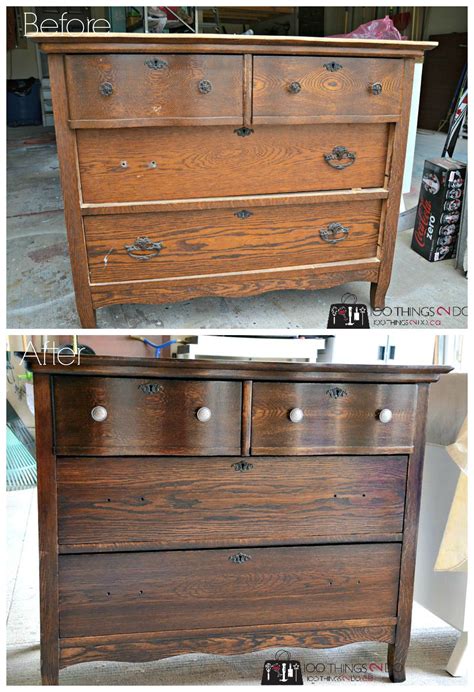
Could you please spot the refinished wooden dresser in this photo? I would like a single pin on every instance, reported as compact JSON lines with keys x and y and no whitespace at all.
{"x":200,"y":165}
{"x":223,"y":508}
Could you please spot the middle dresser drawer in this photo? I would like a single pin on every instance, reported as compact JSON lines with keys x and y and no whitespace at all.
{"x":199,"y":502}
{"x":307,"y":418}
{"x":117,"y":415}
{"x":209,"y":241}
{"x":146,"y":164}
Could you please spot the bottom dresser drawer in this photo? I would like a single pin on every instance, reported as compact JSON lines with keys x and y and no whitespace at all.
{"x":111,"y":593}
{"x":127,"y":247}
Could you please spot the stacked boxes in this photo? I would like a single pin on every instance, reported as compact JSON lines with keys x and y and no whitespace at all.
{"x":439,"y":209}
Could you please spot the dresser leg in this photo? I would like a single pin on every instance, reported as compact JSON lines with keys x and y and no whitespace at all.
{"x":377,"y":296}
{"x":396,"y":658}
{"x":49,"y":672}
{"x":87,"y":315}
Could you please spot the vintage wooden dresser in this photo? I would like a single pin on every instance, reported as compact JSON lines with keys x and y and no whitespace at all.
{"x":223,"y":508}
{"x":199,"y":165}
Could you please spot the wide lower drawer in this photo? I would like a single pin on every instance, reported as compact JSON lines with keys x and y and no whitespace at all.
{"x":143,"y":164}
{"x":123,"y":247}
{"x":306,"y":418}
{"x":311,"y":86}
{"x":131,"y":88}
{"x":129,"y":592}
{"x":118,"y":415}
{"x":198,"y":502}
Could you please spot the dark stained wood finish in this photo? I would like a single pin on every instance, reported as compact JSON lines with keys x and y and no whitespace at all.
{"x":398,"y":650}
{"x":67,"y":153}
{"x":274,"y":159}
{"x":216,"y":241}
{"x":48,"y":533}
{"x":344,"y":91}
{"x":237,"y":640}
{"x":178,"y":502}
{"x":347,"y":424}
{"x":246,"y":417}
{"x":162,"y":422}
{"x":141,"y":92}
{"x":126,"y":592}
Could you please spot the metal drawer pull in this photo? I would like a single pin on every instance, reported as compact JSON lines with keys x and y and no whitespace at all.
{"x":385,"y":415}
{"x":203,"y":414}
{"x":294,"y":88}
{"x":341,"y":157}
{"x":296,"y":415}
{"x":239,"y":558}
{"x":106,"y":88}
{"x":204,"y":86}
{"x":334,"y":233}
{"x":99,"y":413}
{"x":332,"y":66}
{"x":375,"y":88}
{"x":156,"y":64}
{"x":147,"y":247}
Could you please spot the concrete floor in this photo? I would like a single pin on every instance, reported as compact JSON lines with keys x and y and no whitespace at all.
{"x":431,"y":644}
{"x":40,"y":292}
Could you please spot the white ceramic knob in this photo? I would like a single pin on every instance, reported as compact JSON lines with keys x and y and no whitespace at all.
{"x":99,"y":413}
{"x":296,"y":415}
{"x":385,"y":415}
{"x":203,"y":414}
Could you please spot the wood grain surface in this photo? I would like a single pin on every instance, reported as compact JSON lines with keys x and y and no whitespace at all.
{"x":274,"y":159}
{"x":129,"y":592}
{"x":139,"y":91}
{"x":343,"y":91}
{"x":235,"y":640}
{"x":174,"y":502}
{"x":342,"y":425}
{"x":161,"y":422}
{"x":219,"y":241}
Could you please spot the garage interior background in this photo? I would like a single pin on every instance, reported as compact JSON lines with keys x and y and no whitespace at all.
{"x":39,"y":279}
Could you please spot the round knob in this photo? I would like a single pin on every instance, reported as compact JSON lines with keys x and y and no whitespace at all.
{"x":99,"y":413}
{"x":385,"y":415}
{"x":294,"y":88}
{"x":203,"y":414}
{"x":376,"y":88}
{"x":296,"y":415}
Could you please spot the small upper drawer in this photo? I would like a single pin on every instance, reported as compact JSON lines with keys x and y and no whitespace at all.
{"x":309,"y":87}
{"x":307,"y":418}
{"x":116,"y":415}
{"x":162,"y":89}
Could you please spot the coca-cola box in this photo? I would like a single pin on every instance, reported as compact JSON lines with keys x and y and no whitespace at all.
{"x":439,"y":209}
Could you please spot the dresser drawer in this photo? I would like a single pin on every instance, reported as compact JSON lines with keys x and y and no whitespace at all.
{"x":187,"y":243}
{"x":132,"y":88}
{"x":183,"y":502}
{"x":314,"y":86}
{"x":306,"y":418}
{"x":155,"y":416}
{"x":127,"y":592}
{"x":175,"y":163}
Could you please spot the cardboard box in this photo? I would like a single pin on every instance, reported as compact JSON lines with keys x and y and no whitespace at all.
{"x":438,"y":215}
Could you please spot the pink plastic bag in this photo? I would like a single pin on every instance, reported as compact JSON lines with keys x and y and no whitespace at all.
{"x":376,"y":29}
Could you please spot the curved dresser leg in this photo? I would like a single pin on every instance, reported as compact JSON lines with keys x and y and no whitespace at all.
{"x":377,"y":296}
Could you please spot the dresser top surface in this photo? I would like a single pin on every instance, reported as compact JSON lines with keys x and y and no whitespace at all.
{"x":238,"y":370}
{"x":91,"y":42}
